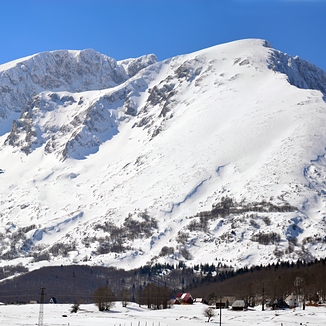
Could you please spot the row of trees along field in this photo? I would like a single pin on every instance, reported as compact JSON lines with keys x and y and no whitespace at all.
{"x":152,"y":295}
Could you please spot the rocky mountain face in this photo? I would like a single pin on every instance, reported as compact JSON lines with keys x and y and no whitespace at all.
{"x":26,"y":84}
{"x":216,"y":156}
{"x":71,"y":71}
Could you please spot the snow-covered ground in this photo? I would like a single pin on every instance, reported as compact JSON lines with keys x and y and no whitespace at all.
{"x":133,"y":315}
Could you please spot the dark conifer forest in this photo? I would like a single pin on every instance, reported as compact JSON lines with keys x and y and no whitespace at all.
{"x":77,"y":283}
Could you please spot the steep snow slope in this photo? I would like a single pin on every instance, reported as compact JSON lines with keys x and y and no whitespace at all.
{"x":214,"y":156}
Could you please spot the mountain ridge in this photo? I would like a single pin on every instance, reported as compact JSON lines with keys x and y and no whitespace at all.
{"x":63,"y":70}
{"x":203,"y":157}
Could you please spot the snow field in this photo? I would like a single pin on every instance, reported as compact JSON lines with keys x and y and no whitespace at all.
{"x":133,"y":315}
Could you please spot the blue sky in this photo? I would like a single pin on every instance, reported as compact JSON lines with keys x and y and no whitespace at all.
{"x":130,"y":28}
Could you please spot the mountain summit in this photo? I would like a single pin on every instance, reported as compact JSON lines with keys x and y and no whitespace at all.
{"x":217,"y":156}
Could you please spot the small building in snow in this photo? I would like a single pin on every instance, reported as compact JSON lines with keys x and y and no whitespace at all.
{"x":184,"y":298}
{"x":239,"y":305}
{"x":53,"y":300}
{"x":200,"y":300}
{"x":225,"y":302}
{"x":278,"y":304}
{"x":293,"y":300}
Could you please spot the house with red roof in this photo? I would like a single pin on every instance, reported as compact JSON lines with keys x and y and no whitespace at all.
{"x":184,"y":298}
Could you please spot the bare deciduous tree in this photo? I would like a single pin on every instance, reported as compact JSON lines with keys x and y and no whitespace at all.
{"x":104,"y":298}
{"x":124,"y":297}
{"x":155,"y":296}
{"x":209,"y":313}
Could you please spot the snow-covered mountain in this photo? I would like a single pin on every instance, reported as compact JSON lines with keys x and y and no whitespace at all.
{"x":217,"y":156}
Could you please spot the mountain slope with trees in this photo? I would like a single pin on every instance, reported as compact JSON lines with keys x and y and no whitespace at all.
{"x":216,"y":156}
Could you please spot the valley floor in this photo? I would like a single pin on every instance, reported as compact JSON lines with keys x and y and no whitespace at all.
{"x":133,"y":315}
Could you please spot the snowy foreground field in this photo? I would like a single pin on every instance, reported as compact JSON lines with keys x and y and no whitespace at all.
{"x":133,"y":315}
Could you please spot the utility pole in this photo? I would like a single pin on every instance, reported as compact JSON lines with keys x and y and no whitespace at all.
{"x":40,"y":316}
{"x":220,"y":310}
{"x":263,"y":299}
